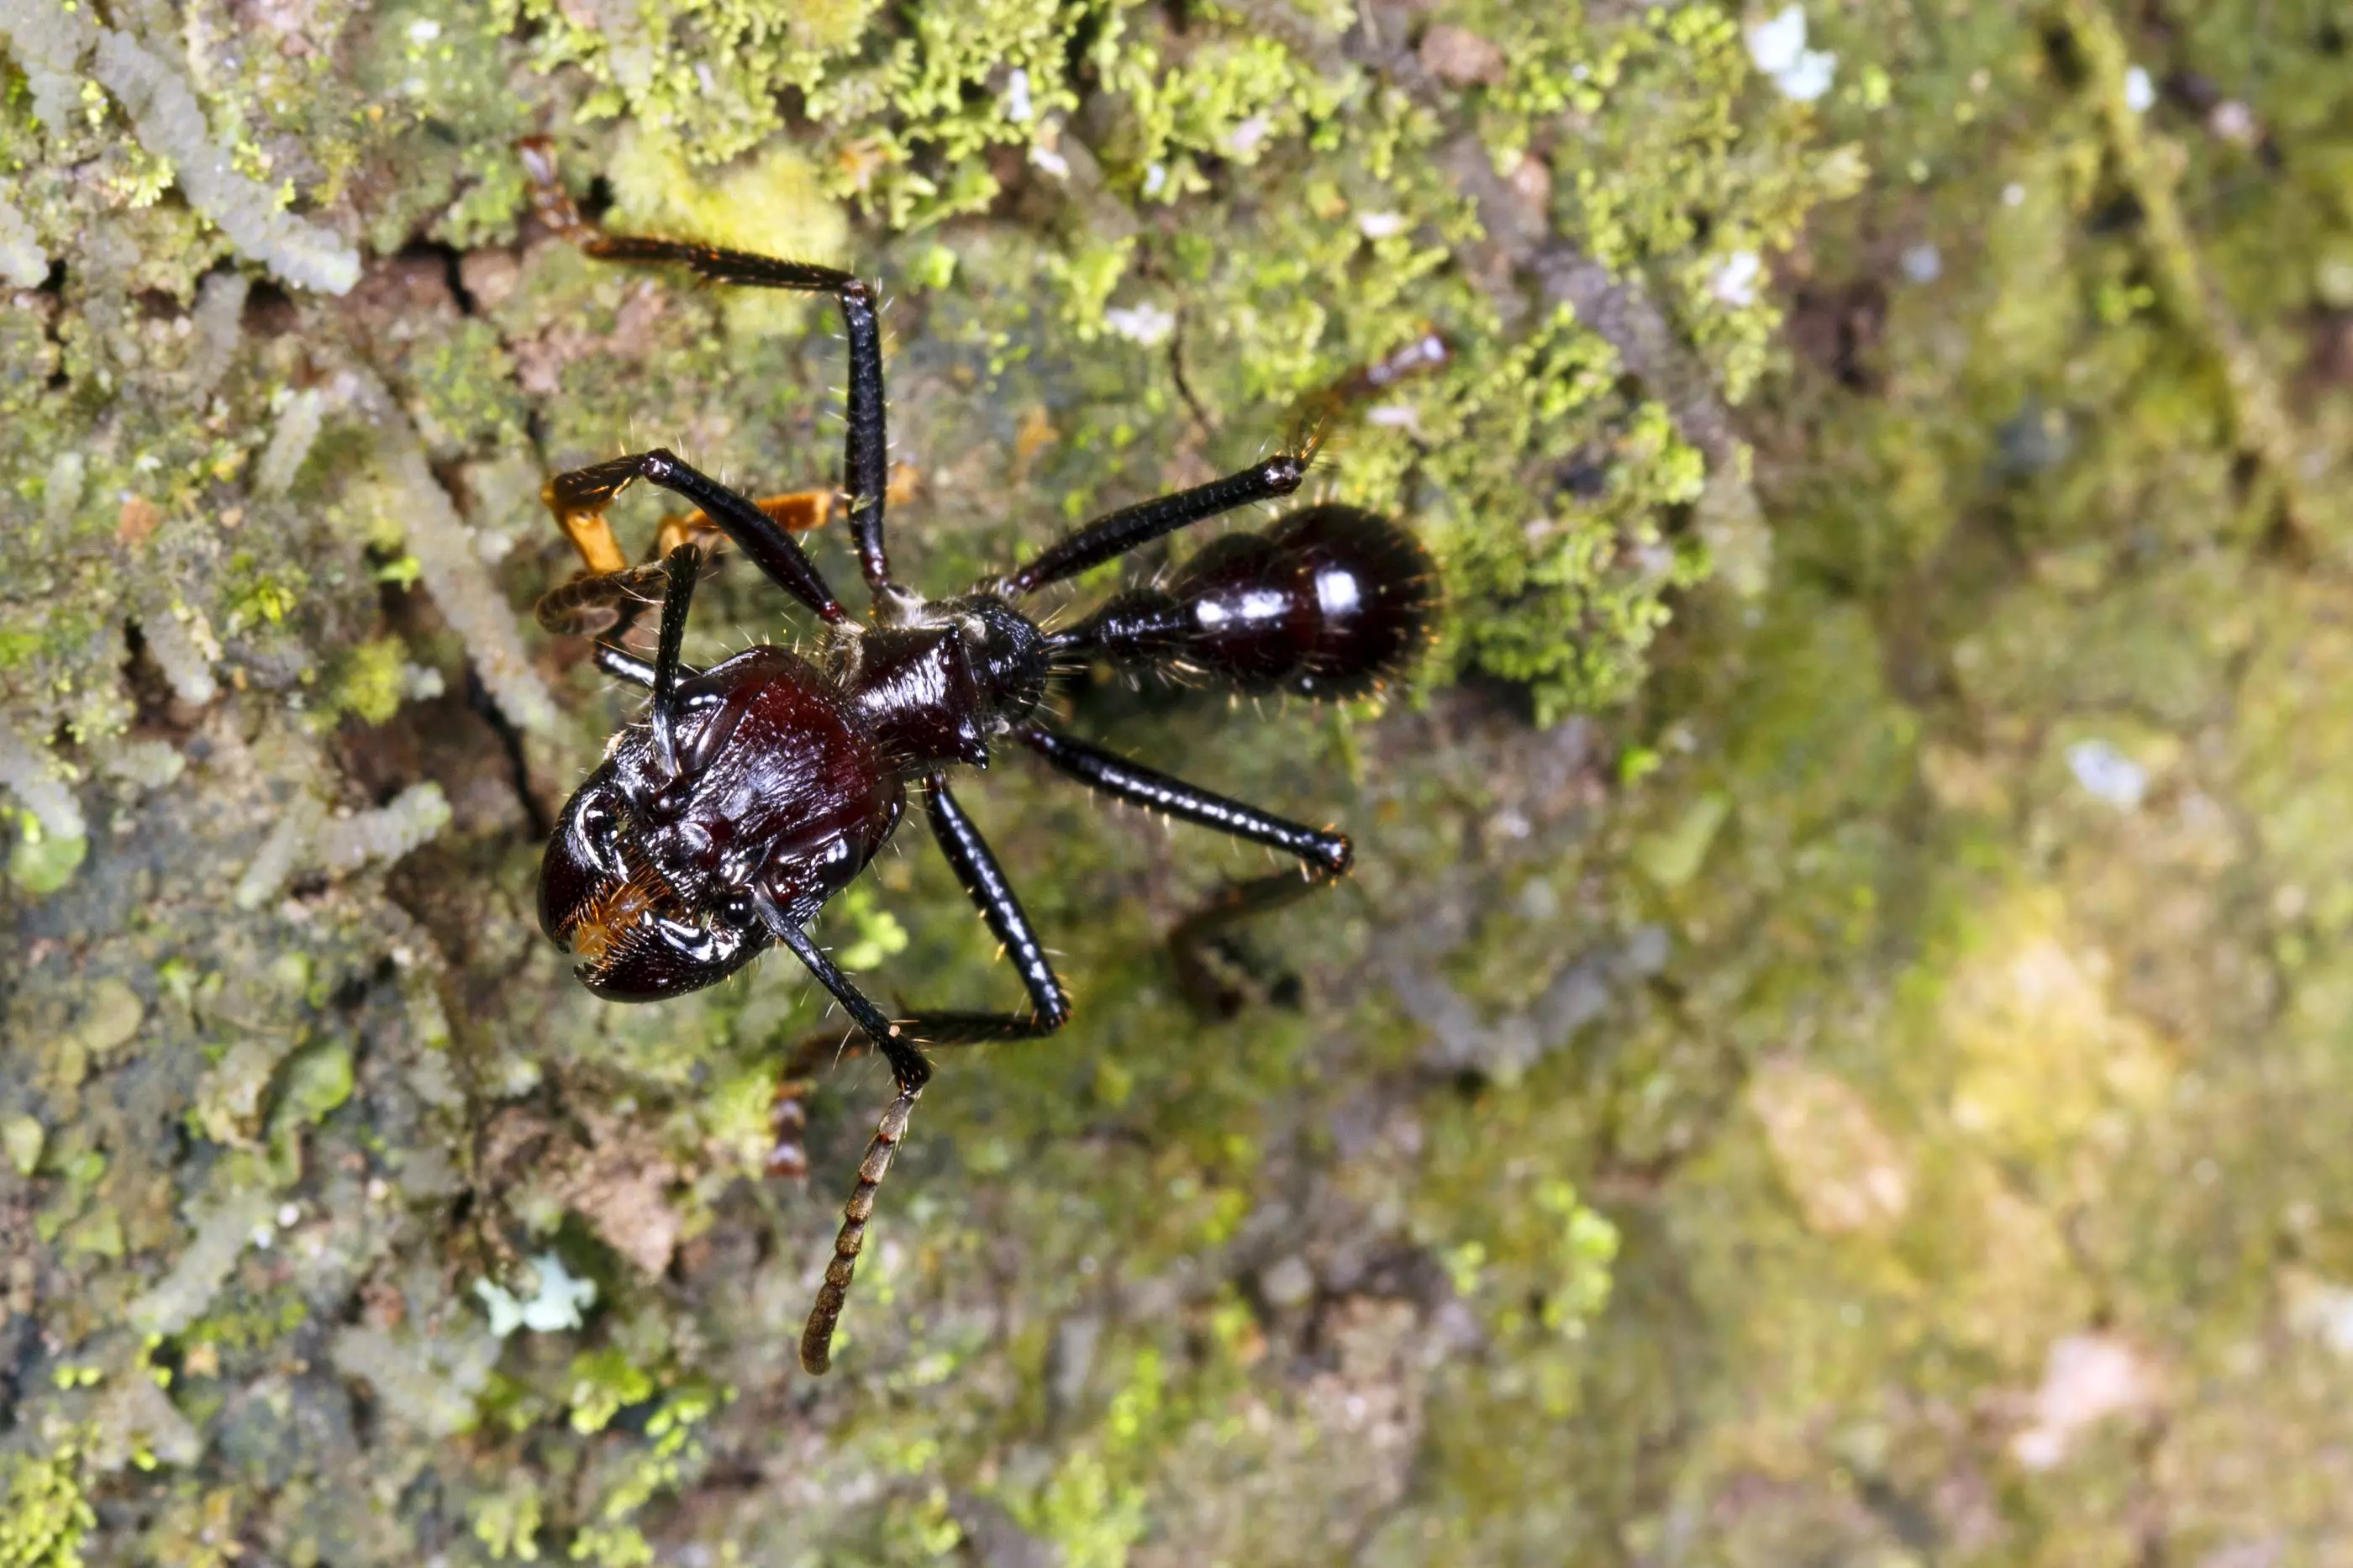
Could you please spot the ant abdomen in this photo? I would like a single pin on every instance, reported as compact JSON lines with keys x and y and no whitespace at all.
{"x":1323,"y":604}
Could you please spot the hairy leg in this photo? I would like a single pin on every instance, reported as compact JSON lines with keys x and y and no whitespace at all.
{"x":977,"y":869}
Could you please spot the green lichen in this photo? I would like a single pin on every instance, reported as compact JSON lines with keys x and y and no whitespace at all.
{"x":368,"y":682}
{"x":47,"y":1516}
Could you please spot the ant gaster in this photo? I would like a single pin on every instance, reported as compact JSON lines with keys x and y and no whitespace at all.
{"x":753,"y":791}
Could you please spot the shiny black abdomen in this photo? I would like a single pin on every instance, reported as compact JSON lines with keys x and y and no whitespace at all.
{"x":1323,"y":604}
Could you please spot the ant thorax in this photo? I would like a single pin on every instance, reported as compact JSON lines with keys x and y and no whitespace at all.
{"x":941,"y":677}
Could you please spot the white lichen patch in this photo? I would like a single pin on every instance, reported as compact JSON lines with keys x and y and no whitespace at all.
{"x":1779,"y":48}
{"x":180,"y":652}
{"x":453,"y":570}
{"x":2046,"y":1057}
{"x":410,"y":820}
{"x":2087,"y":1378}
{"x":289,"y":442}
{"x":1736,"y":281}
{"x":37,"y":780}
{"x":555,"y":1304}
{"x":171,"y":124}
{"x":220,"y":310}
{"x":427,"y":1381}
{"x":23,"y":263}
{"x":181,"y":1296}
{"x":287,"y":842}
{"x":1845,"y":1171}
{"x":306,"y":835}
{"x":1147,"y":324}
{"x":2107,"y":774}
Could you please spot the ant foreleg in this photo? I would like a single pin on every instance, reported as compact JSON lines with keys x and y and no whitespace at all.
{"x":911,"y":1071}
{"x":605,"y":607}
{"x":682,"y":566}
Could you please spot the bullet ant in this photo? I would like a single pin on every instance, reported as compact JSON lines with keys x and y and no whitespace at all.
{"x":752,"y":792}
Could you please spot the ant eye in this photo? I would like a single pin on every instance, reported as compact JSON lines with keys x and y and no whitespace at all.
{"x":735,"y":908}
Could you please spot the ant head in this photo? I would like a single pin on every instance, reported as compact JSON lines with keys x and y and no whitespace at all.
{"x":601,"y":899}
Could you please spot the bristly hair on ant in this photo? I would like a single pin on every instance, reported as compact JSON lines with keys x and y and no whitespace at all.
{"x":748,"y":793}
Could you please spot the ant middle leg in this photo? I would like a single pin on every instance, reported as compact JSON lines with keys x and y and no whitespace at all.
{"x":1118,"y":532}
{"x":866,"y":448}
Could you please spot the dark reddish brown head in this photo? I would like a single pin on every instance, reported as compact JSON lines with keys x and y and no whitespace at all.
{"x":660,"y":884}
{"x":1323,"y":604}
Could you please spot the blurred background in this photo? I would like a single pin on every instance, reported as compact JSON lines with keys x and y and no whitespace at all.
{"x":1836,"y":1047}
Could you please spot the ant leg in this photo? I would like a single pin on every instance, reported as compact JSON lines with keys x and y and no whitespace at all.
{"x":796,"y":511}
{"x":866,"y":449}
{"x":1279,"y":475}
{"x":624,"y":666}
{"x":585,"y":523}
{"x":910,"y":1071}
{"x":605,"y":605}
{"x":1122,"y":531}
{"x":984,"y":882}
{"x":772,"y":548}
{"x":984,"y":879}
{"x":682,"y":564}
{"x":1323,"y":856}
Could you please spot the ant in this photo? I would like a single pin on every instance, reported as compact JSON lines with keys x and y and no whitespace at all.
{"x":752,"y":792}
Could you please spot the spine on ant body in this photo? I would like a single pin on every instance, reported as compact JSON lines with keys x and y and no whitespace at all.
{"x":1323,"y":604}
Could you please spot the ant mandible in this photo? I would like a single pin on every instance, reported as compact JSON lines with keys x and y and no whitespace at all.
{"x":753,"y":791}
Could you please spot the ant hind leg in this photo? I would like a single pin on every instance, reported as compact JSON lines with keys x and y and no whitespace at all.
{"x":1206,"y":935}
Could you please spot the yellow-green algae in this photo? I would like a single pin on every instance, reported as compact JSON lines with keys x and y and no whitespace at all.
{"x":1723,"y":1126}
